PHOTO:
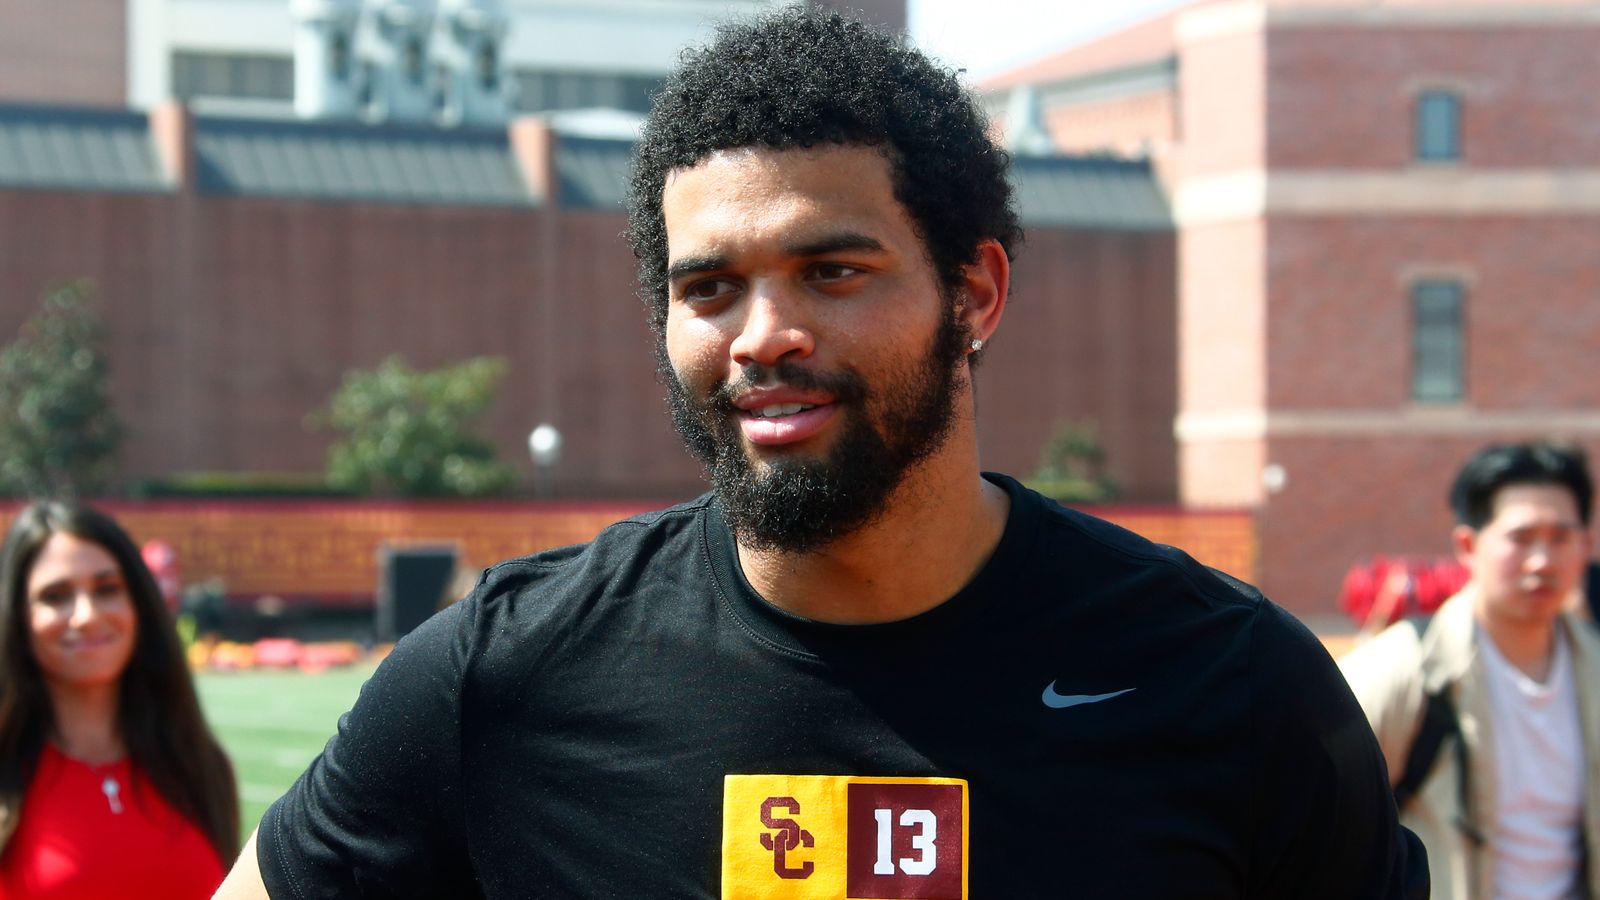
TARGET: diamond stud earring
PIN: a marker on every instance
(977, 344)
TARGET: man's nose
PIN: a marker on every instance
(1541, 555)
(774, 329)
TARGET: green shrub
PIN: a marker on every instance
(1074, 490)
(1072, 467)
(59, 435)
(405, 431)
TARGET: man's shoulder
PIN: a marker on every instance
(625, 541)
(1416, 654)
(628, 557)
(1102, 548)
(1179, 617)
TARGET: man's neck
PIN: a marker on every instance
(1529, 646)
(929, 542)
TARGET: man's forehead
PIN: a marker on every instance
(798, 196)
(1522, 503)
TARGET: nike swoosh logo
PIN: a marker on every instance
(1062, 701)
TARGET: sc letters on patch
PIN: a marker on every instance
(810, 837)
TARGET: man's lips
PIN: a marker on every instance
(772, 419)
(1540, 588)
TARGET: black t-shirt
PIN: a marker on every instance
(1092, 716)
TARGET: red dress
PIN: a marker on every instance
(73, 843)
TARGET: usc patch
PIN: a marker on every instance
(826, 837)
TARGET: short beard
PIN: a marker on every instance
(802, 505)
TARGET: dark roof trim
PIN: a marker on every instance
(78, 148)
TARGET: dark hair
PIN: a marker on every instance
(158, 712)
(804, 77)
(1502, 465)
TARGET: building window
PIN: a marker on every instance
(1438, 346)
(367, 87)
(411, 62)
(339, 56)
(488, 67)
(232, 75)
(443, 86)
(1438, 126)
(543, 91)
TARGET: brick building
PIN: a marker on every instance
(248, 257)
(1388, 219)
(247, 264)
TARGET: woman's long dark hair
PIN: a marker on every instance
(158, 712)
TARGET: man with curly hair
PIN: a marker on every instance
(860, 666)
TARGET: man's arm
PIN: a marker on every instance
(378, 812)
(244, 881)
(1325, 819)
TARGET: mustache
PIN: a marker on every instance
(842, 385)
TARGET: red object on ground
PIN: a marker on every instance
(317, 657)
(282, 652)
(1383, 591)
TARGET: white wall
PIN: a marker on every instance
(638, 37)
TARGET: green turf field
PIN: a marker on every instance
(272, 723)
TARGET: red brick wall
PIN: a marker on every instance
(327, 551)
(1089, 334)
(231, 318)
(1304, 313)
(1340, 340)
(1340, 329)
(1343, 97)
(64, 51)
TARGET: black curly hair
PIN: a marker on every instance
(800, 77)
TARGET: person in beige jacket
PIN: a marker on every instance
(1509, 805)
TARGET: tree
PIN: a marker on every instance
(59, 434)
(405, 431)
(1072, 466)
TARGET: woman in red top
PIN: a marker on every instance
(111, 785)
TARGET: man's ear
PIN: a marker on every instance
(1464, 538)
(985, 283)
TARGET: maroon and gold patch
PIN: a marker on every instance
(823, 837)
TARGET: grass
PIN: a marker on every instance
(273, 723)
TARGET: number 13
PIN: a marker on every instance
(922, 841)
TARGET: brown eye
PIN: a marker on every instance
(709, 289)
(833, 271)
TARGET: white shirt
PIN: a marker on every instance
(1537, 839)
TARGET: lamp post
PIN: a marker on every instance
(544, 445)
